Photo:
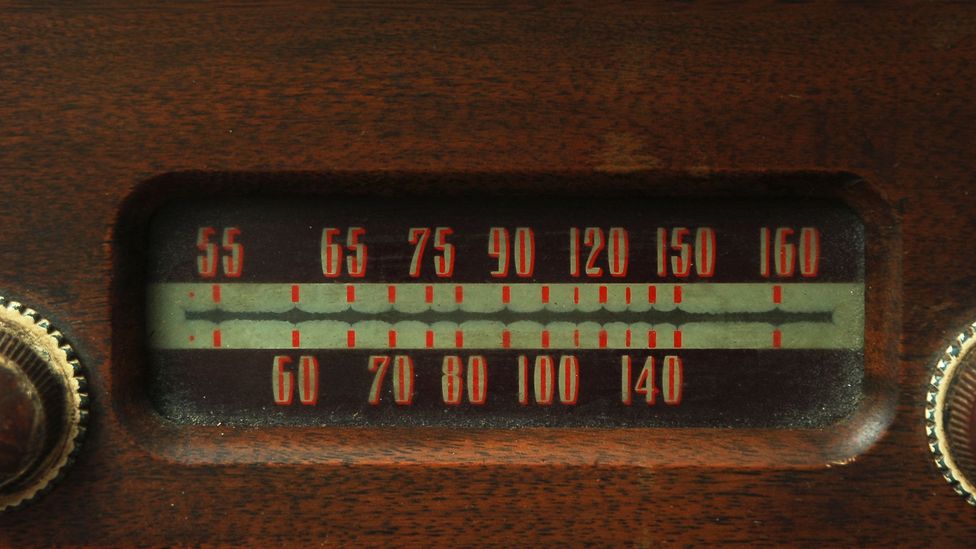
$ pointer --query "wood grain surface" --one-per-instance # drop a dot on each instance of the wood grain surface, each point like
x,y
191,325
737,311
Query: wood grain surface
x,y
99,101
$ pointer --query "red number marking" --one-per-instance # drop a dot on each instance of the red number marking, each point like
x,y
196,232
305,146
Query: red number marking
x,y
593,237
673,378
477,380
523,380
524,252
671,381
451,380
206,263
645,382
403,380
498,247
544,378
377,365
786,253
419,237
626,374
705,252
764,251
233,263
444,263
681,263
308,381
356,262
574,252
619,251
685,255
568,379
546,382
662,252
810,251
331,253
282,382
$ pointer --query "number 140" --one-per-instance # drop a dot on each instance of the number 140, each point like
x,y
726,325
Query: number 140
x,y
672,378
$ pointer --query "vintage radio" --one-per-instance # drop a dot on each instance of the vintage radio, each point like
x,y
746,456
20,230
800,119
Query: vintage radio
x,y
413,274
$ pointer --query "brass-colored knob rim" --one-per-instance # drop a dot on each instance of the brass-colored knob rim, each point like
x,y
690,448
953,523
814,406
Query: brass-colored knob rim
x,y
950,403
38,344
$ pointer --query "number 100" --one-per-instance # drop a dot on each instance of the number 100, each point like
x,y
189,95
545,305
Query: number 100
x,y
545,382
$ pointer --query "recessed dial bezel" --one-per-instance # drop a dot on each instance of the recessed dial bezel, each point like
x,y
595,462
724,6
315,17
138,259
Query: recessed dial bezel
x,y
327,444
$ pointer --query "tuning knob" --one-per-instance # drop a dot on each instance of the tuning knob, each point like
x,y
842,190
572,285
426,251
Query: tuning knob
x,y
43,405
950,414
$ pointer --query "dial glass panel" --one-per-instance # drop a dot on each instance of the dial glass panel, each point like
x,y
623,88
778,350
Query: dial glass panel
x,y
506,313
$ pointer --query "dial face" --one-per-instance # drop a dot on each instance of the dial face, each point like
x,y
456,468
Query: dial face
x,y
504,313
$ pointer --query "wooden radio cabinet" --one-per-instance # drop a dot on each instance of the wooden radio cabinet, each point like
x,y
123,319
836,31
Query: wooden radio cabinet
x,y
384,210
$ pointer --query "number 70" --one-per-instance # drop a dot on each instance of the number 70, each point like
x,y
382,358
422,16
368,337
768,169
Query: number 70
x,y
402,378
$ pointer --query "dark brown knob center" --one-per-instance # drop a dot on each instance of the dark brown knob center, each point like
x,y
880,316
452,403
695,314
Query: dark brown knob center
x,y
21,423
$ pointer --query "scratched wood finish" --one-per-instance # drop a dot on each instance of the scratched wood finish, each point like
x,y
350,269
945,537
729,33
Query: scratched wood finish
x,y
96,99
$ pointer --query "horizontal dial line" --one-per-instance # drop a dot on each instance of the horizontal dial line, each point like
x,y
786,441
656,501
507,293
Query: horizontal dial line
x,y
507,316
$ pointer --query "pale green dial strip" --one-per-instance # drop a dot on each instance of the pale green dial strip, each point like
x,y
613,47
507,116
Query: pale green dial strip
x,y
499,316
